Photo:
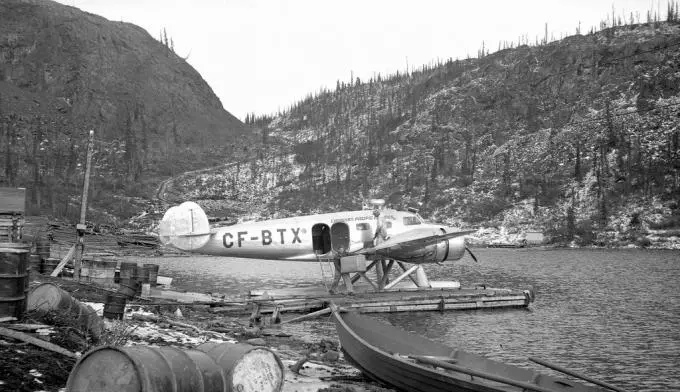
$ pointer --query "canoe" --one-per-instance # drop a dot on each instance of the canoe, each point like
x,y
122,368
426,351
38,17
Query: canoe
x,y
409,362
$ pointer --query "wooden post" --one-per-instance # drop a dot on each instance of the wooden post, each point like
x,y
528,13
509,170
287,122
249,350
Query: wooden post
x,y
80,227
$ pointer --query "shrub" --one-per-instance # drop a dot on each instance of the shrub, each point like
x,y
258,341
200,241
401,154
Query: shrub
x,y
672,222
643,242
585,234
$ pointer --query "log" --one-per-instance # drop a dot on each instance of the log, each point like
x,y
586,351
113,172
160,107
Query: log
x,y
36,342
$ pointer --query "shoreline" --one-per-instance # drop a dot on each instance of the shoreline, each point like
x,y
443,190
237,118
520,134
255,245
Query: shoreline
x,y
309,365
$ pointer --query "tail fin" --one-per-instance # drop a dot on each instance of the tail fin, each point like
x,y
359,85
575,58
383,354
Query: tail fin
x,y
185,227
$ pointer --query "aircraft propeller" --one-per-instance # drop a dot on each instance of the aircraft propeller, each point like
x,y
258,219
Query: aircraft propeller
x,y
472,254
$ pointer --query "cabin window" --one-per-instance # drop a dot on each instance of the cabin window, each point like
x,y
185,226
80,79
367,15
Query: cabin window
x,y
363,226
411,220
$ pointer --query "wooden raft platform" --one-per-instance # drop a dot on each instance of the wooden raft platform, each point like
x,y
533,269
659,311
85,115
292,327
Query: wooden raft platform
x,y
404,298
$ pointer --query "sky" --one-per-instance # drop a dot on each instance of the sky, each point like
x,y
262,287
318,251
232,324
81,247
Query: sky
x,y
262,56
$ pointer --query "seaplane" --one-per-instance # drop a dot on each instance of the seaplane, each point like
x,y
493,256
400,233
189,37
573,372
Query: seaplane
x,y
350,242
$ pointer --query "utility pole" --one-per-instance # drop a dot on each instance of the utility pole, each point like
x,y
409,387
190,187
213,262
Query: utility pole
x,y
80,227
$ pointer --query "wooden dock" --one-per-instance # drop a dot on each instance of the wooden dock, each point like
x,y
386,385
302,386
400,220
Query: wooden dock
x,y
404,298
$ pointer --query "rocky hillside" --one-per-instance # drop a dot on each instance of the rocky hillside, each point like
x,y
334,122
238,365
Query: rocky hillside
x,y
578,138
64,72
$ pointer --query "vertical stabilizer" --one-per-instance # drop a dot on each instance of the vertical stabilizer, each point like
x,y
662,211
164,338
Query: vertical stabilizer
x,y
185,227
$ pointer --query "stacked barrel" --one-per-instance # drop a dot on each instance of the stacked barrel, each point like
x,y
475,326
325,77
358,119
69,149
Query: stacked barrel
x,y
13,278
132,278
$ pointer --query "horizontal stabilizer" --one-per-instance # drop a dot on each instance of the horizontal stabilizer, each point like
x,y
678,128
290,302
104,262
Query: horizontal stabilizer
x,y
195,234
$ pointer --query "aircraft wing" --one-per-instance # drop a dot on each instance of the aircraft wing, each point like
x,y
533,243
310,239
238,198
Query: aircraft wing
x,y
407,240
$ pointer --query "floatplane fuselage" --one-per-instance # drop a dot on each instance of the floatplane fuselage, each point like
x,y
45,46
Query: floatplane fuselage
x,y
380,233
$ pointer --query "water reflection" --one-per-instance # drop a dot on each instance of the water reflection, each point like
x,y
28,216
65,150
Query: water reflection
x,y
611,314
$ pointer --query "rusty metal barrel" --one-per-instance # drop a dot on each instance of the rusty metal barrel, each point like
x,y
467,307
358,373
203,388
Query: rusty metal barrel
x,y
129,288
127,270
247,368
152,271
147,369
143,272
48,297
114,306
129,279
138,275
13,279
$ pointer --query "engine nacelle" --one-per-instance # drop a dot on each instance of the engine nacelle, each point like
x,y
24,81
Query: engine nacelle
x,y
444,250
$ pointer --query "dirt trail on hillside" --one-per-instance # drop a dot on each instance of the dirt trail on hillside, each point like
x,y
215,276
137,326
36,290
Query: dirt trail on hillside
x,y
162,190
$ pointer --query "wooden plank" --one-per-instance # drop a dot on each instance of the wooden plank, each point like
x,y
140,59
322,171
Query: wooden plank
x,y
27,327
36,342
309,315
12,200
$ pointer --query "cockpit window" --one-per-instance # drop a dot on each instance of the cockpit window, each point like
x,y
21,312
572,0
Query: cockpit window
x,y
411,220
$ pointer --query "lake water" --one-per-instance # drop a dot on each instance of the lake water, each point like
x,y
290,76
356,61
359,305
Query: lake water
x,y
610,314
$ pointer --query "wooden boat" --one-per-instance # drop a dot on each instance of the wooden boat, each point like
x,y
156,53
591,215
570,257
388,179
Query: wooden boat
x,y
409,362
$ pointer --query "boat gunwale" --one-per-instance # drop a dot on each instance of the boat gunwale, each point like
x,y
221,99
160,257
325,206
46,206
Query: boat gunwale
x,y
444,376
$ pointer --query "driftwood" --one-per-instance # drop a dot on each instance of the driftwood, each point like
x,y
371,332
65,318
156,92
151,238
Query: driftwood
x,y
156,319
36,342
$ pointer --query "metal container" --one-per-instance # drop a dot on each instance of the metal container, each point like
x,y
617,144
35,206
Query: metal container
x,y
127,271
114,306
147,369
13,279
247,368
129,288
152,271
145,272
138,275
48,297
